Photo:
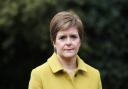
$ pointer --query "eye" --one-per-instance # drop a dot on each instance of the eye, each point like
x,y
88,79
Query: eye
x,y
62,37
73,36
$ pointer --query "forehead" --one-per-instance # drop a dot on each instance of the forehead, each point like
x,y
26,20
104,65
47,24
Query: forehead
x,y
71,30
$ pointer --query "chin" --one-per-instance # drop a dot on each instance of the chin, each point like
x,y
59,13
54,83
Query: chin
x,y
69,55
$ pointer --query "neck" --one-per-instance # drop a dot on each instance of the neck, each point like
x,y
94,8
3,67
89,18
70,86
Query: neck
x,y
68,64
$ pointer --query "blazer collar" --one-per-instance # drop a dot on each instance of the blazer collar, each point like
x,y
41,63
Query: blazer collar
x,y
56,66
54,63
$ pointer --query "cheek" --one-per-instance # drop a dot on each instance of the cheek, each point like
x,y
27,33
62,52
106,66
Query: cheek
x,y
78,43
58,45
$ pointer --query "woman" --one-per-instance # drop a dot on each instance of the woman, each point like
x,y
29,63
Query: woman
x,y
65,69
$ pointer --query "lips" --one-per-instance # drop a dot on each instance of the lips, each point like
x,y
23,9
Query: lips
x,y
69,50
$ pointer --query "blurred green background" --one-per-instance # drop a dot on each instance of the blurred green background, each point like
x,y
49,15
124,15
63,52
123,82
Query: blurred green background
x,y
25,41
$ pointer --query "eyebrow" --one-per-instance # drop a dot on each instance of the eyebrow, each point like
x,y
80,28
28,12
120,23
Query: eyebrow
x,y
70,34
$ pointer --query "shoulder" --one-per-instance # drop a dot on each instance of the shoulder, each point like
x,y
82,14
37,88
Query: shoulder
x,y
92,71
42,69
91,68
88,68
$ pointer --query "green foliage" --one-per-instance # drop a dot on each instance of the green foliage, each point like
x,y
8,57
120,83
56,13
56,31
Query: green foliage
x,y
7,11
25,41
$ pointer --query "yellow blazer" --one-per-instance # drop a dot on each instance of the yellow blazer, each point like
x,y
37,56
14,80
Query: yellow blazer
x,y
51,75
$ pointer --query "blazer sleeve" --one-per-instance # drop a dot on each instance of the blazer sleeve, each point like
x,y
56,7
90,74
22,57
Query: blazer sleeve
x,y
35,80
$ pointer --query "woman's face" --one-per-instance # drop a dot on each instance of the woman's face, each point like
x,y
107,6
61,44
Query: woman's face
x,y
67,43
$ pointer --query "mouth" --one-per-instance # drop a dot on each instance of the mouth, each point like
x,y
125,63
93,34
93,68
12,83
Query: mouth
x,y
69,50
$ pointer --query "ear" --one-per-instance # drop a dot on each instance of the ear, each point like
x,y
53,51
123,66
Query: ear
x,y
53,43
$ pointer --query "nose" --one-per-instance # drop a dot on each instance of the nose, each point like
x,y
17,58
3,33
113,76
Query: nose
x,y
68,41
